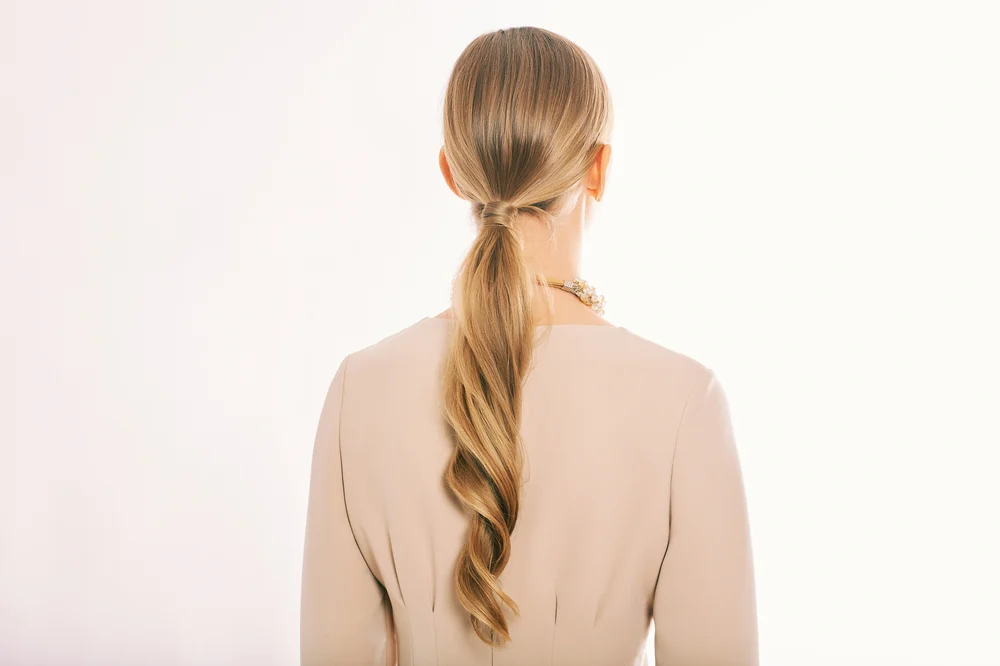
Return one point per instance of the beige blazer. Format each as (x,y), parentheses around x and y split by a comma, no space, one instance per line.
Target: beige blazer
(633,509)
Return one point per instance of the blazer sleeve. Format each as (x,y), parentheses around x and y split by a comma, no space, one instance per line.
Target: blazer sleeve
(345,615)
(704,604)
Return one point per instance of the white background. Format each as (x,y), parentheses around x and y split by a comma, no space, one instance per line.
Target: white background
(206,205)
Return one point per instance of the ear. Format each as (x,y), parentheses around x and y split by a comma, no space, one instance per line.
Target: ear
(446,172)
(598,174)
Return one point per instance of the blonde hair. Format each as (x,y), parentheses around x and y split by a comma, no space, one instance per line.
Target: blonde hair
(526,113)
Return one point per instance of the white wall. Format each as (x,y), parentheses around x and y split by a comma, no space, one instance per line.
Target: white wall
(206,205)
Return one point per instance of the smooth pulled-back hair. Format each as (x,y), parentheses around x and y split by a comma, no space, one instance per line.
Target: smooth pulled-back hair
(526,113)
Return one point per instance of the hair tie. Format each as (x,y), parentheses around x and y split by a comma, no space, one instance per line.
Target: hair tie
(498,213)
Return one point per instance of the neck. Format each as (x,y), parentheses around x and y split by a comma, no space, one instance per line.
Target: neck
(558,251)
(558,254)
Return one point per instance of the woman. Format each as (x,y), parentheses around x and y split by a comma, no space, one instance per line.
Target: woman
(516,480)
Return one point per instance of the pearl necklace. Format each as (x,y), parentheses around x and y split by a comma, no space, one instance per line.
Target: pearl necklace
(581,290)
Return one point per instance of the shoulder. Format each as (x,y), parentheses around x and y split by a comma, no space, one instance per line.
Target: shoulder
(394,355)
(662,361)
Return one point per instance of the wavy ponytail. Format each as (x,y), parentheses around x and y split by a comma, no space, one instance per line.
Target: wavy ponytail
(525,113)
(487,363)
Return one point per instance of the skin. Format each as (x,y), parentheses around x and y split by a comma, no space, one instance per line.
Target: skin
(558,255)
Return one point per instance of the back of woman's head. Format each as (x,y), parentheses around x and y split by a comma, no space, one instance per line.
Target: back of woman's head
(526,113)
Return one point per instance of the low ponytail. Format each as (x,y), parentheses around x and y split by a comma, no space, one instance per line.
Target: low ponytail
(488,360)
